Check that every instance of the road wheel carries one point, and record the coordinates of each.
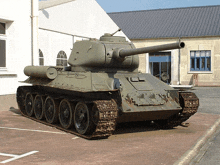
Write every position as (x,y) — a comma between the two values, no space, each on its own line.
(38,107)
(29,104)
(51,110)
(66,114)
(82,119)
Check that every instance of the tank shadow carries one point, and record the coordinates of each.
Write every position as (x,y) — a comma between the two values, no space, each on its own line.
(121,128)
(14,110)
(135,127)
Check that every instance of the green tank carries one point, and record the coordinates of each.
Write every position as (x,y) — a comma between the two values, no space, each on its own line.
(102,87)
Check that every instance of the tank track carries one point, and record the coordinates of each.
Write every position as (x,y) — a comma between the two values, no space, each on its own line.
(189,103)
(108,112)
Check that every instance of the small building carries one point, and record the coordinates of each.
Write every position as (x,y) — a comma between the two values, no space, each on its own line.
(43,33)
(199,27)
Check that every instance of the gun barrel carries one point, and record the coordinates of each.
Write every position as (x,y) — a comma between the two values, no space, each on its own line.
(129,52)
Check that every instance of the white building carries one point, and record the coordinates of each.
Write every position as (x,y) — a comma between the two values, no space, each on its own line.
(15,43)
(44,33)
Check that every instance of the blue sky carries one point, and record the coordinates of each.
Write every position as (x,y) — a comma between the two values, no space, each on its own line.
(131,5)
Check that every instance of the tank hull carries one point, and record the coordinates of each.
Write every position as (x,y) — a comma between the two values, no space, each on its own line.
(135,92)
(117,98)
(127,112)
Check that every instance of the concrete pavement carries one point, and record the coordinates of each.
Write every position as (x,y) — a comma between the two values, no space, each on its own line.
(132,143)
(210,104)
(8,102)
(209,153)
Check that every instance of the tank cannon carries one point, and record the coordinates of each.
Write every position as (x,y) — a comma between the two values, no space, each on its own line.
(102,87)
(122,53)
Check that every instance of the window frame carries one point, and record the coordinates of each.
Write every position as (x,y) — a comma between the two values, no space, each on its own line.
(197,57)
(3,37)
(61,59)
(41,58)
(4,29)
(5,64)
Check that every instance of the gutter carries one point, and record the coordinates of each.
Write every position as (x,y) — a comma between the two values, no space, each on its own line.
(183,37)
(52,3)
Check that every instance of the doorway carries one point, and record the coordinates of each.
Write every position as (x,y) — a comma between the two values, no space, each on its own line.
(160,65)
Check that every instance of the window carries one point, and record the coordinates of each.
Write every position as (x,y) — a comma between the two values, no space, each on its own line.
(2,54)
(200,60)
(2,46)
(41,58)
(61,59)
(2,28)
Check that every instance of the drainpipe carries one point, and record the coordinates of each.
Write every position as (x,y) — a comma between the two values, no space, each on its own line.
(147,63)
(34,31)
(179,65)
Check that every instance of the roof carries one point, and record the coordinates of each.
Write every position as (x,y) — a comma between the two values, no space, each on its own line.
(51,3)
(169,23)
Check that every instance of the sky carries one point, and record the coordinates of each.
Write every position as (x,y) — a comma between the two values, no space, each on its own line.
(133,5)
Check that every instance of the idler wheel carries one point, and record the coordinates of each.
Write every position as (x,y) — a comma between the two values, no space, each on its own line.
(38,107)
(29,104)
(51,110)
(82,119)
(66,114)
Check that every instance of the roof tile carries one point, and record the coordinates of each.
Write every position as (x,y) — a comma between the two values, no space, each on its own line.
(169,23)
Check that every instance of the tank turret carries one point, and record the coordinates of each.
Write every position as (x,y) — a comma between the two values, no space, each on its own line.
(111,53)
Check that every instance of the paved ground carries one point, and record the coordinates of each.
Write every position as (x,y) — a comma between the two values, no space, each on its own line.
(132,144)
(210,104)
(209,153)
(209,98)
(7,102)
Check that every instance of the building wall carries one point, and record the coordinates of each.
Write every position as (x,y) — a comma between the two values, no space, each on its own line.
(16,14)
(187,77)
(79,18)
(61,26)
(51,43)
(205,78)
